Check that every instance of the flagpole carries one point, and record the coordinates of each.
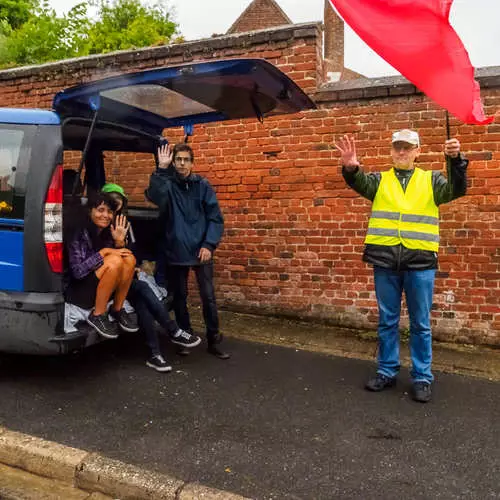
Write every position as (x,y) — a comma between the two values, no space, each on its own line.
(447,125)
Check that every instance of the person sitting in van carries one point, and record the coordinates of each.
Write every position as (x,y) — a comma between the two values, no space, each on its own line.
(145,302)
(101,267)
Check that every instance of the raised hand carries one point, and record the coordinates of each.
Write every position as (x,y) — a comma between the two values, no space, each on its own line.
(347,149)
(120,229)
(165,155)
(452,148)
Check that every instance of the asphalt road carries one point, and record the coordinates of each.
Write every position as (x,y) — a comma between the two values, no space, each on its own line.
(270,423)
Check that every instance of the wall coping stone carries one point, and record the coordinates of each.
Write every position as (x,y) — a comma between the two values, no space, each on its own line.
(186,50)
(390,86)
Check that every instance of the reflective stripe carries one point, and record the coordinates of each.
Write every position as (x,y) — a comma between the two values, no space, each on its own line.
(414,235)
(422,219)
(379,231)
(380,214)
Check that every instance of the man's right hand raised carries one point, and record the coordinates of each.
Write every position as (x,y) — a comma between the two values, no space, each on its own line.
(165,155)
(347,149)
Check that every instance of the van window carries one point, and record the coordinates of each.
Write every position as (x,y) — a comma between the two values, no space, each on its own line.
(15,153)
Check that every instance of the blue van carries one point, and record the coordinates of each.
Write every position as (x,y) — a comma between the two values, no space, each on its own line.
(127,113)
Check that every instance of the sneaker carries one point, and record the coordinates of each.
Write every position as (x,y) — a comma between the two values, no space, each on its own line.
(102,325)
(215,351)
(421,392)
(127,321)
(185,339)
(379,383)
(158,363)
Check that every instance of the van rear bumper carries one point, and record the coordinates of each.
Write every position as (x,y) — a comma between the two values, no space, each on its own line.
(30,301)
(28,322)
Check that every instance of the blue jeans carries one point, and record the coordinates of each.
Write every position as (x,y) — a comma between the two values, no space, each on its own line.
(148,309)
(177,279)
(419,288)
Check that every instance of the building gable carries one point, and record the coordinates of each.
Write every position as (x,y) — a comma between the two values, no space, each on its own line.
(260,14)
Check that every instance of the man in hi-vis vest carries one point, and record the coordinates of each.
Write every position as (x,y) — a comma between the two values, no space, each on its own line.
(402,243)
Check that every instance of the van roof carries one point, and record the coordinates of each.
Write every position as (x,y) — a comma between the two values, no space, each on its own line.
(22,116)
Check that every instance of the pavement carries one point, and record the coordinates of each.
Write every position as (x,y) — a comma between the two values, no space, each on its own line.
(275,421)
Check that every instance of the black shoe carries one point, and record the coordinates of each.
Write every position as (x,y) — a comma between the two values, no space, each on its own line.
(214,350)
(127,321)
(421,392)
(185,339)
(158,363)
(379,383)
(102,325)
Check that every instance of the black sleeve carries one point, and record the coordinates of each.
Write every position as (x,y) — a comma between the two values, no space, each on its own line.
(364,184)
(454,185)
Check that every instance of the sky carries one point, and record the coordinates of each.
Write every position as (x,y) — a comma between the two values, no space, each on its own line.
(476,22)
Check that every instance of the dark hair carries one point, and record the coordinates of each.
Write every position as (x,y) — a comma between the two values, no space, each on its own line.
(99,198)
(99,238)
(183,147)
(123,210)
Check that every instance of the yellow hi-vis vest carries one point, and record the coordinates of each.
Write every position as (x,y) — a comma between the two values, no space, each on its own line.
(408,217)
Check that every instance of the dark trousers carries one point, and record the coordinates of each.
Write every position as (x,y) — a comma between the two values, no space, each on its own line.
(149,309)
(177,277)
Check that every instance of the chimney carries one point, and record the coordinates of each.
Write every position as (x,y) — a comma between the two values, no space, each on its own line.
(333,44)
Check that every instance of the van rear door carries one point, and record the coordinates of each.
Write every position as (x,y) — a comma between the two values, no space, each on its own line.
(15,155)
(30,150)
(151,101)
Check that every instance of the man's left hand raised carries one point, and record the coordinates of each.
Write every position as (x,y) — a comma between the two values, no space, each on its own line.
(452,148)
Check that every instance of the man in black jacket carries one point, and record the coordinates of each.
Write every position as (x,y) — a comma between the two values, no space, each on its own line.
(402,244)
(193,227)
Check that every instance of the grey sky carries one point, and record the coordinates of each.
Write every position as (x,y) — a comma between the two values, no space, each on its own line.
(476,22)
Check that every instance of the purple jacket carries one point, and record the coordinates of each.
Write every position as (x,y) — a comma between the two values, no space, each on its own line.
(83,256)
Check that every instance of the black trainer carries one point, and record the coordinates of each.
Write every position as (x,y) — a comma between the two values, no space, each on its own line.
(217,352)
(421,392)
(185,339)
(127,321)
(102,325)
(213,341)
(158,363)
(379,383)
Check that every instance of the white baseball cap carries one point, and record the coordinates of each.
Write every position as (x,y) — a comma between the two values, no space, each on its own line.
(406,135)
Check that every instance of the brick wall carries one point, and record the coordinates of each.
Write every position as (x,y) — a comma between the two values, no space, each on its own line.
(294,232)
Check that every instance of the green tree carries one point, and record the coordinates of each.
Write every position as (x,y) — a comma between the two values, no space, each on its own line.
(128,24)
(17,12)
(46,37)
(119,25)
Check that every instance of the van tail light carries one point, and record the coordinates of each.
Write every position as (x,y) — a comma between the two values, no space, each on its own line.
(53,221)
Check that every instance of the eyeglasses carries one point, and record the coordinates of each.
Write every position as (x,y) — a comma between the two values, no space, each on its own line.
(182,159)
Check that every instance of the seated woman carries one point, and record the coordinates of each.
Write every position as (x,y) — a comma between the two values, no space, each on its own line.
(145,302)
(101,267)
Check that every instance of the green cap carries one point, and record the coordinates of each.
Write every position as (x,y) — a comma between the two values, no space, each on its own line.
(113,188)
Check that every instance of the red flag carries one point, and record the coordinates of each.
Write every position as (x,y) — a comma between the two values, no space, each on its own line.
(416,38)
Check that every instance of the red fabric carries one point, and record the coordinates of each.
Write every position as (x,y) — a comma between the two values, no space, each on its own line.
(416,38)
